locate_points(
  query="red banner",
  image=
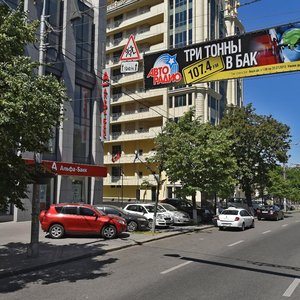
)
(71, 169)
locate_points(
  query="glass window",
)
(82, 124)
(69, 210)
(84, 35)
(116, 149)
(84, 211)
(112, 211)
(180, 101)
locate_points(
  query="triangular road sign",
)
(131, 51)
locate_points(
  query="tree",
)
(198, 155)
(260, 142)
(30, 105)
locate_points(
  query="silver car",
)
(179, 217)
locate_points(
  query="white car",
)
(179, 217)
(147, 210)
(235, 217)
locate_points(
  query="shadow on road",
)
(14, 260)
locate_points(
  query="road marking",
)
(176, 267)
(235, 243)
(297, 221)
(291, 288)
(266, 231)
(284, 225)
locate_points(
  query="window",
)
(116, 149)
(69, 210)
(82, 124)
(84, 35)
(116, 171)
(84, 211)
(112, 211)
(180, 101)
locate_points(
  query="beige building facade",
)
(138, 115)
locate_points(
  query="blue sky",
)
(277, 95)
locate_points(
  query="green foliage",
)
(288, 187)
(260, 142)
(30, 105)
(198, 155)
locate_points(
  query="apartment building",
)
(74, 53)
(138, 115)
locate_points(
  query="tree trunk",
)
(195, 217)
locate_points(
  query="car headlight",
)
(141, 219)
(160, 217)
(122, 222)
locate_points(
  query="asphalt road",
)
(260, 263)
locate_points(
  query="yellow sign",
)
(202, 69)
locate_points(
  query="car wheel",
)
(109, 231)
(282, 217)
(258, 218)
(243, 227)
(132, 226)
(56, 231)
(221, 228)
(150, 223)
(277, 218)
(253, 224)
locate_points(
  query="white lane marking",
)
(284, 225)
(176, 267)
(291, 288)
(235, 243)
(266, 231)
(297, 221)
(201, 239)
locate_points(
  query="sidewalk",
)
(15, 237)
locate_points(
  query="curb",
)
(11, 273)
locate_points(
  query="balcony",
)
(152, 34)
(142, 113)
(137, 134)
(151, 15)
(138, 94)
(128, 180)
(127, 158)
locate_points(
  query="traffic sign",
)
(131, 51)
(129, 66)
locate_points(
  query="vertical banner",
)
(105, 105)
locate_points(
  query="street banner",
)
(268, 51)
(105, 105)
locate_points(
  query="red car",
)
(77, 218)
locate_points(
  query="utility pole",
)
(284, 177)
(33, 247)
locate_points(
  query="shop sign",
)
(71, 169)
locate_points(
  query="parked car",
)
(270, 212)
(134, 222)
(235, 218)
(179, 217)
(147, 210)
(203, 214)
(77, 218)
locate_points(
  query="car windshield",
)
(168, 207)
(99, 211)
(230, 212)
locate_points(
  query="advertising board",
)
(268, 51)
